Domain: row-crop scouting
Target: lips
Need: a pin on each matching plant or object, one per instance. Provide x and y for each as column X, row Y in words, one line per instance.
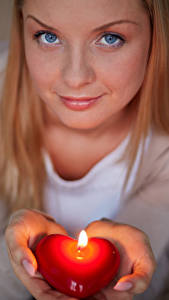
column 79, row 103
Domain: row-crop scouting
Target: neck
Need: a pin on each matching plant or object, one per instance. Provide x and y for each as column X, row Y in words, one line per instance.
column 74, row 152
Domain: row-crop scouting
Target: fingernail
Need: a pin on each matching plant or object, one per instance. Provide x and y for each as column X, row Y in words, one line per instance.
column 123, row 286
column 28, row 267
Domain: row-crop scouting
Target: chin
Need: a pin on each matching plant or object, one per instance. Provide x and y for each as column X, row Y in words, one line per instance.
column 85, row 125
column 73, row 120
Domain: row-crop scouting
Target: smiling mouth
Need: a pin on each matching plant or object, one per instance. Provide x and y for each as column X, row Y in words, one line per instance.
column 79, row 103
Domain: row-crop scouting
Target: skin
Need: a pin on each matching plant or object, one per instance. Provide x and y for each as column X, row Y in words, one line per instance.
column 82, row 64
column 77, row 65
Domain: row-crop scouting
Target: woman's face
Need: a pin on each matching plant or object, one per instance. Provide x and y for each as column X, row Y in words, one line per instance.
column 87, row 58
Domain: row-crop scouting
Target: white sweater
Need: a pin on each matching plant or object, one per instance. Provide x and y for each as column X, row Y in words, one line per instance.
column 97, row 195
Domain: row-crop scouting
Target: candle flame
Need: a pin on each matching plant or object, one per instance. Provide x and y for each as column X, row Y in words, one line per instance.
column 83, row 239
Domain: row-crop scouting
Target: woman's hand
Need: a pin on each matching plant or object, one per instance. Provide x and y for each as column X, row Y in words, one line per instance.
column 26, row 228
column 137, row 259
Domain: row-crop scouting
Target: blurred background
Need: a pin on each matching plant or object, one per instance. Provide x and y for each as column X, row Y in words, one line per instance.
column 5, row 19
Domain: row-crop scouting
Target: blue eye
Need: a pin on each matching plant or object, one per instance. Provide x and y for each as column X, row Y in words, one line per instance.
column 50, row 37
column 47, row 38
column 112, row 40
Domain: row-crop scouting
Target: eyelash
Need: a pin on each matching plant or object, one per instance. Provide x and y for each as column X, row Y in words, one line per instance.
column 39, row 34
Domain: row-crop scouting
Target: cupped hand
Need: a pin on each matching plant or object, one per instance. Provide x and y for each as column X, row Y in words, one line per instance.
column 25, row 229
column 137, row 260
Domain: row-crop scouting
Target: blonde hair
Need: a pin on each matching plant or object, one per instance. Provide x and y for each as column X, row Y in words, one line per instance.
column 153, row 97
column 22, row 171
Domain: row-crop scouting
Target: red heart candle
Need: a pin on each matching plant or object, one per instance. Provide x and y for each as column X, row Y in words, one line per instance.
column 74, row 269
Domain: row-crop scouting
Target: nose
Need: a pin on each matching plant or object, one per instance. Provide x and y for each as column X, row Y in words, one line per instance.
column 77, row 69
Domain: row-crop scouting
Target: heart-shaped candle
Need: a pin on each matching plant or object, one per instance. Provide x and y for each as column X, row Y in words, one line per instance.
column 78, row 269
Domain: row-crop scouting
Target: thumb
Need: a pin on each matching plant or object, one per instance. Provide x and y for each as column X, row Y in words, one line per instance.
column 21, row 256
column 25, row 229
column 136, row 283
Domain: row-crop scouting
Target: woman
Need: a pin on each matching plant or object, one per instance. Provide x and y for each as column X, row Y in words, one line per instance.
column 103, row 89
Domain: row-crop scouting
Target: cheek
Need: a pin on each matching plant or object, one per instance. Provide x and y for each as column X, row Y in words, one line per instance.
column 41, row 71
column 123, row 73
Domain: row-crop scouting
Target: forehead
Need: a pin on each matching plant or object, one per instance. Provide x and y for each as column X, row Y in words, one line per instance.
column 81, row 10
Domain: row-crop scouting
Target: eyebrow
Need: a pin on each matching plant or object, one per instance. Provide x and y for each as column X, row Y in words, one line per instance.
column 95, row 30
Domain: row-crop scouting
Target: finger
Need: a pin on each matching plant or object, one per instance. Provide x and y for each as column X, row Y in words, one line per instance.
column 136, row 283
column 17, row 244
column 37, row 286
column 109, row 294
column 24, row 229
column 139, row 280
